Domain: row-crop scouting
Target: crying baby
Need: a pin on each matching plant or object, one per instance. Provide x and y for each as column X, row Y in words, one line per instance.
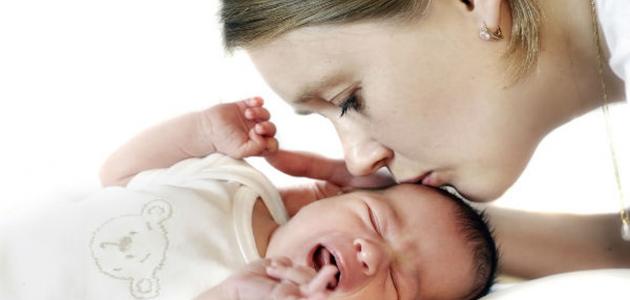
column 404, row 242
column 183, row 216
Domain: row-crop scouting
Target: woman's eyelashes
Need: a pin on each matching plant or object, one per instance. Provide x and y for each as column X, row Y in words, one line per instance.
column 350, row 103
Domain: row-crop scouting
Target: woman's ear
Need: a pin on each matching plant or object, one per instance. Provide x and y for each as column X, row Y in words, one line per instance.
column 488, row 12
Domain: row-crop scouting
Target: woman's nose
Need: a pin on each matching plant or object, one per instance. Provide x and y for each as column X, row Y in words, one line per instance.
column 363, row 155
column 366, row 157
column 370, row 255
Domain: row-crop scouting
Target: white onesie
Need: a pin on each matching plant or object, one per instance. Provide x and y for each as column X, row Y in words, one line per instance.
column 171, row 234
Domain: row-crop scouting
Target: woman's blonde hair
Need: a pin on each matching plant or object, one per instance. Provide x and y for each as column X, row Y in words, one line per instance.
column 247, row 23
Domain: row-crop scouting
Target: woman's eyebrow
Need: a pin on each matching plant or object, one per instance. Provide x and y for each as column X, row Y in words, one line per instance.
column 317, row 88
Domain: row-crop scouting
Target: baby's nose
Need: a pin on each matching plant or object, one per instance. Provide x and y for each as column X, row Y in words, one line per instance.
column 124, row 244
column 370, row 255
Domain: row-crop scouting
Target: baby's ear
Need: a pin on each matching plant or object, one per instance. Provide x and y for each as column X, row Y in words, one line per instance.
column 157, row 211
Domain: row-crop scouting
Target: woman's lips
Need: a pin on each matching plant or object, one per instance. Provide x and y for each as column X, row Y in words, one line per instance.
column 432, row 180
column 417, row 179
column 440, row 180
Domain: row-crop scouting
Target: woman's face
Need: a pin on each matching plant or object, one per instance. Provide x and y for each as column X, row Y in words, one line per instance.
column 429, row 102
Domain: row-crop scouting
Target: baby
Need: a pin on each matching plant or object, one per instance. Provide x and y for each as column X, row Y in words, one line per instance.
column 194, row 220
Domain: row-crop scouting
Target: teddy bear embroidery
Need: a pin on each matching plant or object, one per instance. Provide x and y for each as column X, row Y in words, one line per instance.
column 133, row 248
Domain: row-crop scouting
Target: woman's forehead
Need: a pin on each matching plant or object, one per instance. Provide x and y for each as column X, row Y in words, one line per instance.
column 308, row 59
column 298, row 79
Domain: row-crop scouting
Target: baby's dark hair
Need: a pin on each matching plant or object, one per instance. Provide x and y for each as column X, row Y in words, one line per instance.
column 475, row 227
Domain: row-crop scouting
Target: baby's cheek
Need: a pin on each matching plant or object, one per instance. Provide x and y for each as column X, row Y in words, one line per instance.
column 380, row 287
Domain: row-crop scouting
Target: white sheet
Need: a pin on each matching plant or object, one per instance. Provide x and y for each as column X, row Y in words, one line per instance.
column 591, row 285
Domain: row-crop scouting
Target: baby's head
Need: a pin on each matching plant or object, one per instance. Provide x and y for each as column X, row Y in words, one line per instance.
column 405, row 242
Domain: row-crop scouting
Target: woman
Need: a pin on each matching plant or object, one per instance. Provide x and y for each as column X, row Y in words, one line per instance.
column 449, row 93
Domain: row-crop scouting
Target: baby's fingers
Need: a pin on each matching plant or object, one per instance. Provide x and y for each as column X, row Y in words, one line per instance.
column 271, row 146
column 257, row 114
column 260, row 141
column 318, row 285
column 253, row 102
column 259, row 145
column 296, row 274
column 286, row 291
column 266, row 129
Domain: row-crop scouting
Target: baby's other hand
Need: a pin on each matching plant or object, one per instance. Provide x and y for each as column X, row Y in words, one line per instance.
column 300, row 282
column 240, row 129
column 276, row 278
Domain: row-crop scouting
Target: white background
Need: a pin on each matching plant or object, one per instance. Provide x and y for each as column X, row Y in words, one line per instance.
column 80, row 77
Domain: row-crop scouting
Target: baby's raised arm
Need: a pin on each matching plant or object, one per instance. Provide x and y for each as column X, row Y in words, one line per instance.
column 238, row 129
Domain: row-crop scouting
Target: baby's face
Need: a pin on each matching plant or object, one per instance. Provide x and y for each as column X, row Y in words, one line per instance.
column 399, row 243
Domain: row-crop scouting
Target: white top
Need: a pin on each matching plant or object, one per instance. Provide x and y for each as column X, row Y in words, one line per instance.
column 614, row 19
column 171, row 234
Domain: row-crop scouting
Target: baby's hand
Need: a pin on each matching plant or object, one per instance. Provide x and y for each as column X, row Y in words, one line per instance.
column 240, row 129
column 278, row 279
column 300, row 282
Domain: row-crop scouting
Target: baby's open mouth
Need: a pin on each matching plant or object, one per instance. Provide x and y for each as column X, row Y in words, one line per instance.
column 323, row 257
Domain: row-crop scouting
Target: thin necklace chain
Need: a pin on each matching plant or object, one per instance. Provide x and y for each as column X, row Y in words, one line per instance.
column 623, row 213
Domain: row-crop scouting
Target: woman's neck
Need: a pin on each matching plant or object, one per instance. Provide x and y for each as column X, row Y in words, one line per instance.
column 568, row 29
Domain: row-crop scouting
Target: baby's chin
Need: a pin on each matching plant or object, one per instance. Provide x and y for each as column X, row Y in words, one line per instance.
column 370, row 292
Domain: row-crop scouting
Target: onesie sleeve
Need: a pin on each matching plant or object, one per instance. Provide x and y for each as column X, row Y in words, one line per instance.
column 195, row 173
